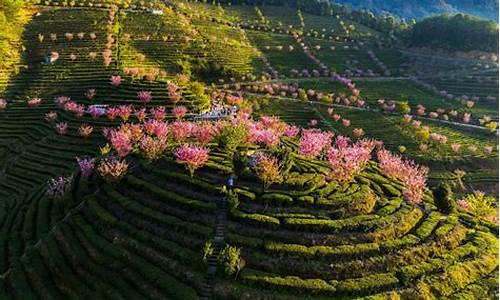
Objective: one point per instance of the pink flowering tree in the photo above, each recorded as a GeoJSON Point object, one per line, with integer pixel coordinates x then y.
{"type": "Point", "coordinates": [179, 112]}
{"type": "Point", "coordinates": [291, 131]}
{"type": "Point", "coordinates": [120, 141]}
{"type": "Point", "coordinates": [267, 137]}
{"type": "Point", "coordinates": [413, 176]}
{"type": "Point", "coordinates": [174, 93]}
{"type": "Point", "coordinates": [145, 96]}
{"type": "Point", "coordinates": [158, 113]}
{"type": "Point", "coordinates": [193, 157]}
{"type": "Point", "coordinates": [140, 114]}
{"type": "Point", "coordinates": [87, 165]}
{"type": "Point", "coordinates": [33, 102]}
{"type": "Point", "coordinates": [204, 133]}
{"type": "Point", "coordinates": [152, 148]}
{"type": "Point", "coordinates": [314, 141]}
{"type": "Point", "coordinates": [180, 130]}
{"type": "Point", "coordinates": [115, 80]}
{"type": "Point", "coordinates": [124, 112]}
{"type": "Point", "coordinates": [62, 128]}
{"type": "Point", "coordinates": [112, 112]}
{"type": "Point", "coordinates": [347, 161]}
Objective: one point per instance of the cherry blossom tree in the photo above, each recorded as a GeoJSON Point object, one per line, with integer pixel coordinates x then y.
{"type": "Point", "coordinates": [347, 161]}
{"type": "Point", "coordinates": [112, 169]}
{"type": "Point", "coordinates": [120, 141]}
{"type": "Point", "coordinates": [115, 80]}
{"type": "Point", "coordinates": [87, 165]}
{"type": "Point", "coordinates": [412, 175]}
{"type": "Point", "coordinates": [266, 168]}
{"type": "Point", "coordinates": [145, 96]}
{"type": "Point", "coordinates": [314, 141]}
{"type": "Point", "coordinates": [85, 130]}
{"type": "Point", "coordinates": [193, 157]}
{"type": "Point", "coordinates": [179, 112]}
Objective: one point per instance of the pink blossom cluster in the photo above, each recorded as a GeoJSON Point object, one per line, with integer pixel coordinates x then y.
{"type": "Point", "coordinates": [181, 130]}
{"type": "Point", "coordinates": [32, 102]}
{"type": "Point", "coordinates": [112, 112]}
{"type": "Point", "coordinates": [124, 112]}
{"type": "Point", "coordinates": [314, 141]}
{"type": "Point", "coordinates": [174, 93]}
{"type": "Point", "coordinates": [463, 204]}
{"type": "Point", "coordinates": [412, 175]}
{"type": "Point", "coordinates": [348, 160]}
{"type": "Point", "coordinates": [192, 156]}
{"type": "Point", "coordinates": [61, 128]}
{"type": "Point", "coordinates": [152, 148]}
{"type": "Point", "coordinates": [179, 112]}
{"type": "Point", "coordinates": [73, 107]}
{"type": "Point", "coordinates": [158, 113]}
{"type": "Point", "coordinates": [121, 142]}
{"type": "Point", "coordinates": [140, 114]}
{"type": "Point", "coordinates": [205, 132]}
{"type": "Point", "coordinates": [291, 131]}
{"type": "Point", "coordinates": [156, 128]}
{"type": "Point", "coordinates": [267, 137]}
{"type": "Point", "coordinates": [145, 96]}
{"type": "Point", "coordinates": [386, 106]}
{"type": "Point", "coordinates": [87, 165]}
{"type": "Point", "coordinates": [267, 131]}
{"type": "Point", "coordinates": [439, 138]}
{"type": "Point", "coordinates": [115, 80]}
{"type": "Point", "coordinates": [107, 52]}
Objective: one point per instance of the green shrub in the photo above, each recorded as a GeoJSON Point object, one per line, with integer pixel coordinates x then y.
{"type": "Point", "coordinates": [232, 200]}
{"type": "Point", "coordinates": [403, 107]}
{"type": "Point", "coordinates": [306, 199]}
{"type": "Point", "coordinates": [230, 259]}
{"type": "Point", "coordinates": [369, 283]}
{"type": "Point", "coordinates": [208, 250]}
{"type": "Point", "coordinates": [291, 282]}
{"type": "Point", "coordinates": [391, 190]}
{"type": "Point", "coordinates": [247, 195]}
{"type": "Point", "coordinates": [276, 198]}
{"type": "Point", "coordinates": [256, 218]}
{"type": "Point", "coordinates": [231, 137]}
{"type": "Point", "coordinates": [240, 163]}
{"type": "Point", "coordinates": [428, 225]}
{"type": "Point", "coordinates": [443, 198]}
{"type": "Point", "coordinates": [362, 202]}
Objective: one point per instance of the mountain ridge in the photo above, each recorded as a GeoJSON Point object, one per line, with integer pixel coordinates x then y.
{"type": "Point", "coordinates": [419, 9]}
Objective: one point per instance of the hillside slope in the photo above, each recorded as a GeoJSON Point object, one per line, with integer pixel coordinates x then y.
{"type": "Point", "coordinates": [421, 9]}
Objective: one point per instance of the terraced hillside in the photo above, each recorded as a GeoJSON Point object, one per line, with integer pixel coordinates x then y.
{"type": "Point", "coordinates": [304, 238]}
{"type": "Point", "coordinates": [184, 150]}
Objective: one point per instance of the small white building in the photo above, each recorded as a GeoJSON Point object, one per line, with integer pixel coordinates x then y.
{"type": "Point", "coordinates": [155, 11]}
